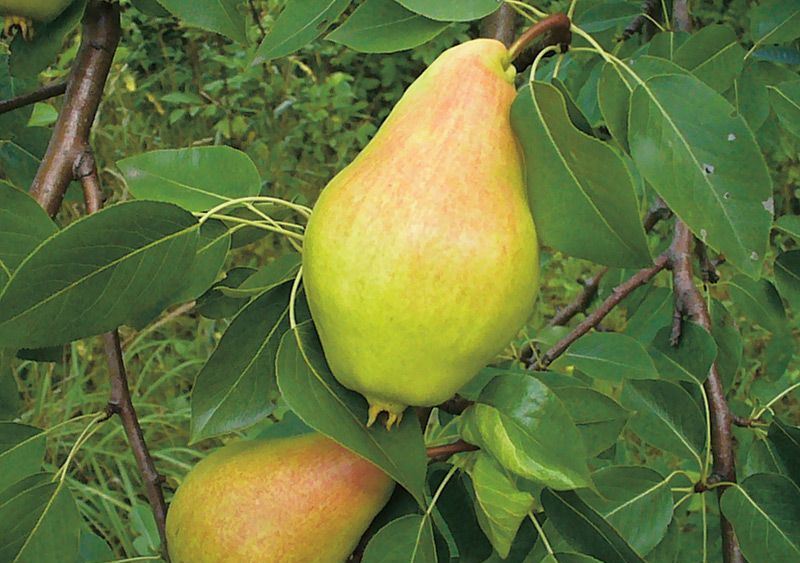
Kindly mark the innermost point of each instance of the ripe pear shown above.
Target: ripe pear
(421, 257)
(298, 499)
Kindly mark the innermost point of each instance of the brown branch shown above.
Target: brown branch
(555, 28)
(100, 36)
(500, 25)
(617, 295)
(440, 453)
(257, 18)
(681, 20)
(650, 8)
(40, 95)
(120, 401)
(689, 303)
(69, 157)
(581, 303)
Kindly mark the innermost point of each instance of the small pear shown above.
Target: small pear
(19, 13)
(300, 499)
(421, 257)
(37, 10)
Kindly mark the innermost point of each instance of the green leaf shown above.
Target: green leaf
(525, 426)
(703, 160)
(666, 43)
(409, 539)
(775, 21)
(22, 450)
(572, 174)
(786, 440)
(196, 179)
(30, 57)
(300, 22)
(10, 403)
(599, 418)
(608, 355)
(636, 501)
(23, 226)
(607, 16)
(281, 269)
(311, 391)
(666, 416)
(212, 250)
(729, 342)
(714, 55)
(561, 557)
(383, 26)
(614, 89)
(691, 360)
(787, 277)
(654, 313)
(93, 548)
(785, 100)
(751, 97)
(39, 522)
(781, 55)
(456, 505)
(463, 10)
(762, 457)
(499, 505)
(765, 512)
(98, 273)
(219, 16)
(585, 529)
(759, 301)
(789, 224)
(236, 387)
(216, 304)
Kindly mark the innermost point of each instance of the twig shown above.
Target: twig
(257, 18)
(617, 295)
(456, 405)
(650, 9)
(708, 268)
(555, 27)
(69, 157)
(101, 33)
(500, 25)
(443, 452)
(581, 303)
(689, 303)
(40, 95)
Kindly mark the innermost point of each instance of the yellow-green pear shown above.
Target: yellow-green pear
(302, 499)
(421, 258)
(20, 12)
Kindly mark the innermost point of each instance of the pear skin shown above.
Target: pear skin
(37, 10)
(301, 499)
(421, 257)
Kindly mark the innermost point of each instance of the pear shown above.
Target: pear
(20, 13)
(297, 499)
(421, 257)
(38, 10)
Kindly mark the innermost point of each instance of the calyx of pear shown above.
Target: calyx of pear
(298, 499)
(19, 13)
(421, 257)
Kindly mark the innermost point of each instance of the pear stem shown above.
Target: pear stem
(558, 23)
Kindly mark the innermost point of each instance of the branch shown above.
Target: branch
(617, 295)
(439, 453)
(69, 157)
(40, 95)
(581, 303)
(120, 403)
(101, 32)
(689, 303)
(650, 10)
(555, 28)
(500, 24)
